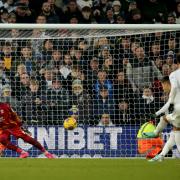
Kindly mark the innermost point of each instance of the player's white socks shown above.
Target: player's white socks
(177, 139)
(169, 144)
(161, 125)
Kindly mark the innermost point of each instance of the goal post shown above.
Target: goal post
(108, 75)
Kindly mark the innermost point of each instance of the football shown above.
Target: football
(70, 123)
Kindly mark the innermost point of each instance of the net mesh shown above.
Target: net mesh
(112, 77)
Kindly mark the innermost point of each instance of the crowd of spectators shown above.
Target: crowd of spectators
(90, 11)
(110, 80)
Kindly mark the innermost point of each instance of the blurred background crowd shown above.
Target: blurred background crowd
(110, 80)
(105, 80)
(90, 11)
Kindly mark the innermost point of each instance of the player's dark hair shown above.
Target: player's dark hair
(165, 79)
(178, 58)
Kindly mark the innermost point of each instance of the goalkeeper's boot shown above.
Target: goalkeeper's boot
(149, 135)
(49, 155)
(24, 154)
(157, 158)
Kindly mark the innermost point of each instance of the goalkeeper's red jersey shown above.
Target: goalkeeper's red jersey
(8, 118)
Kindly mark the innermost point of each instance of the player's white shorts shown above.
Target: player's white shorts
(174, 119)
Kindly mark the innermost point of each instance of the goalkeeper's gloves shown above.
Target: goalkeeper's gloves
(171, 108)
(152, 116)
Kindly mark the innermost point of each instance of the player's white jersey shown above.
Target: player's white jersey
(175, 84)
(174, 96)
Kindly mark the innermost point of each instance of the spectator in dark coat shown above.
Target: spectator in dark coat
(124, 113)
(58, 102)
(24, 14)
(72, 11)
(122, 88)
(51, 15)
(103, 104)
(21, 85)
(146, 104)
(81, 99)
(34, 105)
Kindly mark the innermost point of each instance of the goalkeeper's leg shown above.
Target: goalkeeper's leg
(19, 133)
(5, 141)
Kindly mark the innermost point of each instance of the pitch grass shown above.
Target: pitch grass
(88, 169)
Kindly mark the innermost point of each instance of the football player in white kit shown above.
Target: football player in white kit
(170, 84)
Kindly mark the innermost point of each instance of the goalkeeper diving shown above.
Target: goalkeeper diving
(170, 85)
(11, 124)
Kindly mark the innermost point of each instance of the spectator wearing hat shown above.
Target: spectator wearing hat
(57, 102)
(117, 9)
(51, 16)
(105, 120)
(103, 104)
(8, 98)
(84, 3)
(81, 99)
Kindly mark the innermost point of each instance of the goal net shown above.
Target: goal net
(109, 77)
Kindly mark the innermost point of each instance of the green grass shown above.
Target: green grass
(88, 169)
